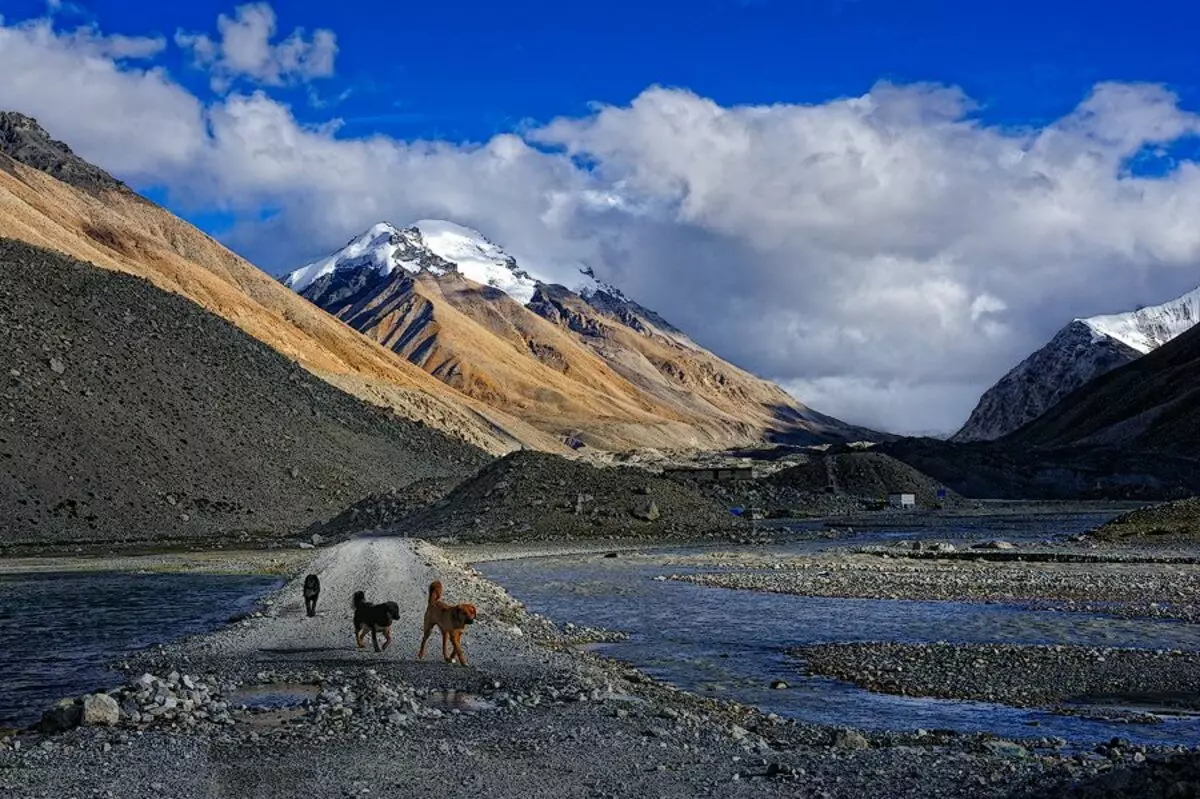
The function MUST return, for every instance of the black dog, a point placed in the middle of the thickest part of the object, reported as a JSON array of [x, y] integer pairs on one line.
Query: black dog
[[312, 590], [376, 618]]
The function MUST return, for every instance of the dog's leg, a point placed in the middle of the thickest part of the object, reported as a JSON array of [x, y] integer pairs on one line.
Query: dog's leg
[[358, 636], [458, 650], [387, 637], [424, 640], [375, 639], [446, 656]]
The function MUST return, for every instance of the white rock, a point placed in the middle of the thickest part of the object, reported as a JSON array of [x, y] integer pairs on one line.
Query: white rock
[[100, 710]]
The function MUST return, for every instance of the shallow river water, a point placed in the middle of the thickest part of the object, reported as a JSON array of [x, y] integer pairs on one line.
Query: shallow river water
[[732, 644], [58, 632]]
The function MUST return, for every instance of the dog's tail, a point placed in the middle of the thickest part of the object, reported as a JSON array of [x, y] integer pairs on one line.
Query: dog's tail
[[360, 598], [435, 591]]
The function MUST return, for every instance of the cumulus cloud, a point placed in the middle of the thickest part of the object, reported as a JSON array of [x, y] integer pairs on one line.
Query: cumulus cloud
[[244, 50], [886, 257], [132, 120]]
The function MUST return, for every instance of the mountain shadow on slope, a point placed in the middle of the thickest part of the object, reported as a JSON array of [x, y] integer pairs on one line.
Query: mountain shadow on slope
[[128, 413], [996, 470]]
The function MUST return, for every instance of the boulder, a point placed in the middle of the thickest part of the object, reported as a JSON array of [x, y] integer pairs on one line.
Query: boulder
[[850, 739], [66, 715], [647, 511], [100, 710]]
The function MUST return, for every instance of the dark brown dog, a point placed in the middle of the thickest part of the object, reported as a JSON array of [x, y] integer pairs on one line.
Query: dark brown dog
[[451, 620], [374, 619]]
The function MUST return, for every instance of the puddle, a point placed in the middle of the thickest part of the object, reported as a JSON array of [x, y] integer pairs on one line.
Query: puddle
[[284, 696], [461, 701]]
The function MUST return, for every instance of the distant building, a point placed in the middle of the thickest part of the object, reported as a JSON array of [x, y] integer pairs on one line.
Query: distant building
[[902, 500], [722, 474]]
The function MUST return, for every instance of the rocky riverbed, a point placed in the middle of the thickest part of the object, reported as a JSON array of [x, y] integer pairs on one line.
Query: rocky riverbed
[[1119, 585], [280, 704], [1024, 676]]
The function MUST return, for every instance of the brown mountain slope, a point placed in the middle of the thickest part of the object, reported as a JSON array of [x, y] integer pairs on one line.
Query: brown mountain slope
[[600, 369], [129, 413], [674, 371], [100, 221]]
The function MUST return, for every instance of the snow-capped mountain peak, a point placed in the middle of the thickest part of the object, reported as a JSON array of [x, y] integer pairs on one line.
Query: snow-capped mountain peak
[[477, 258], [430, 245], [588, 286], [1079, 353], [382, 248], [1148, 328]]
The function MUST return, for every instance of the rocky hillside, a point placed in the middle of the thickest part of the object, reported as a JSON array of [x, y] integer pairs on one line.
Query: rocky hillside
[[1076, 355], [53, 199], [583, 363], [867, 475], [1003, 470], [534, 496], [130, 413], [1080, 352], [1170, 522], [1150, 406]]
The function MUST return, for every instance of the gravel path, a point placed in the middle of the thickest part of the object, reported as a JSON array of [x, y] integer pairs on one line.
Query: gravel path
[[530, 717]]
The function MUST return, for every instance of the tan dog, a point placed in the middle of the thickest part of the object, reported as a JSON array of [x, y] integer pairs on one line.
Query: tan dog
[[450, 619]]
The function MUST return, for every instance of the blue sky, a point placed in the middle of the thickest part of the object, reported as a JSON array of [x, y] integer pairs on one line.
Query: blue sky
[[473, 68], [881, 205]]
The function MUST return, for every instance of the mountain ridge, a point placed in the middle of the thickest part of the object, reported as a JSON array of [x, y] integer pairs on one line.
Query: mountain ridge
[[1083, 350], [104, 223], [585, 362]]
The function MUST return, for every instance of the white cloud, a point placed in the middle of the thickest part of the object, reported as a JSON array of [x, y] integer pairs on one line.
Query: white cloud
[[133, 121], [886, 256], [245, 50]]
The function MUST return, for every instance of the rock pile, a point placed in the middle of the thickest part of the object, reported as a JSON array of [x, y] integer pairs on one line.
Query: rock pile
[[148, 700]]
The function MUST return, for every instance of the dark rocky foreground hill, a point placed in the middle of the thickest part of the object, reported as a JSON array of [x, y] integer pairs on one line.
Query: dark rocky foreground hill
[[534, 496], [127, 413]]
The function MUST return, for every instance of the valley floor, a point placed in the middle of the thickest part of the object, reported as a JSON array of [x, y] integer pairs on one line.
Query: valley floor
[[532, 715]]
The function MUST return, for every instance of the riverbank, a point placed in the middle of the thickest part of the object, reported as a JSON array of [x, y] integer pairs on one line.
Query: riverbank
[[537, 717]]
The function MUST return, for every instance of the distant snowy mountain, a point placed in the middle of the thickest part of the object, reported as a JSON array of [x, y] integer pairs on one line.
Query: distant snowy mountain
[[1079, 353], [583, 361], [431, 245]]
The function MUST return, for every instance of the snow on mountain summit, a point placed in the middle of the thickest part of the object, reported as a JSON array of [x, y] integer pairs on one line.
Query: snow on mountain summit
[[1079, 353], [381, 248], [589, 285], [430, 245], [477, 258], [1147, 329]]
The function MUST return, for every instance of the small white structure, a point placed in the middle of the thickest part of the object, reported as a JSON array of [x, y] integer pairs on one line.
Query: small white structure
[[902, 500]]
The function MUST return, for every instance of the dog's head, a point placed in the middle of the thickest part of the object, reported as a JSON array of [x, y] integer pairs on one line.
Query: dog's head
[[393, 609], [464, 614]]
